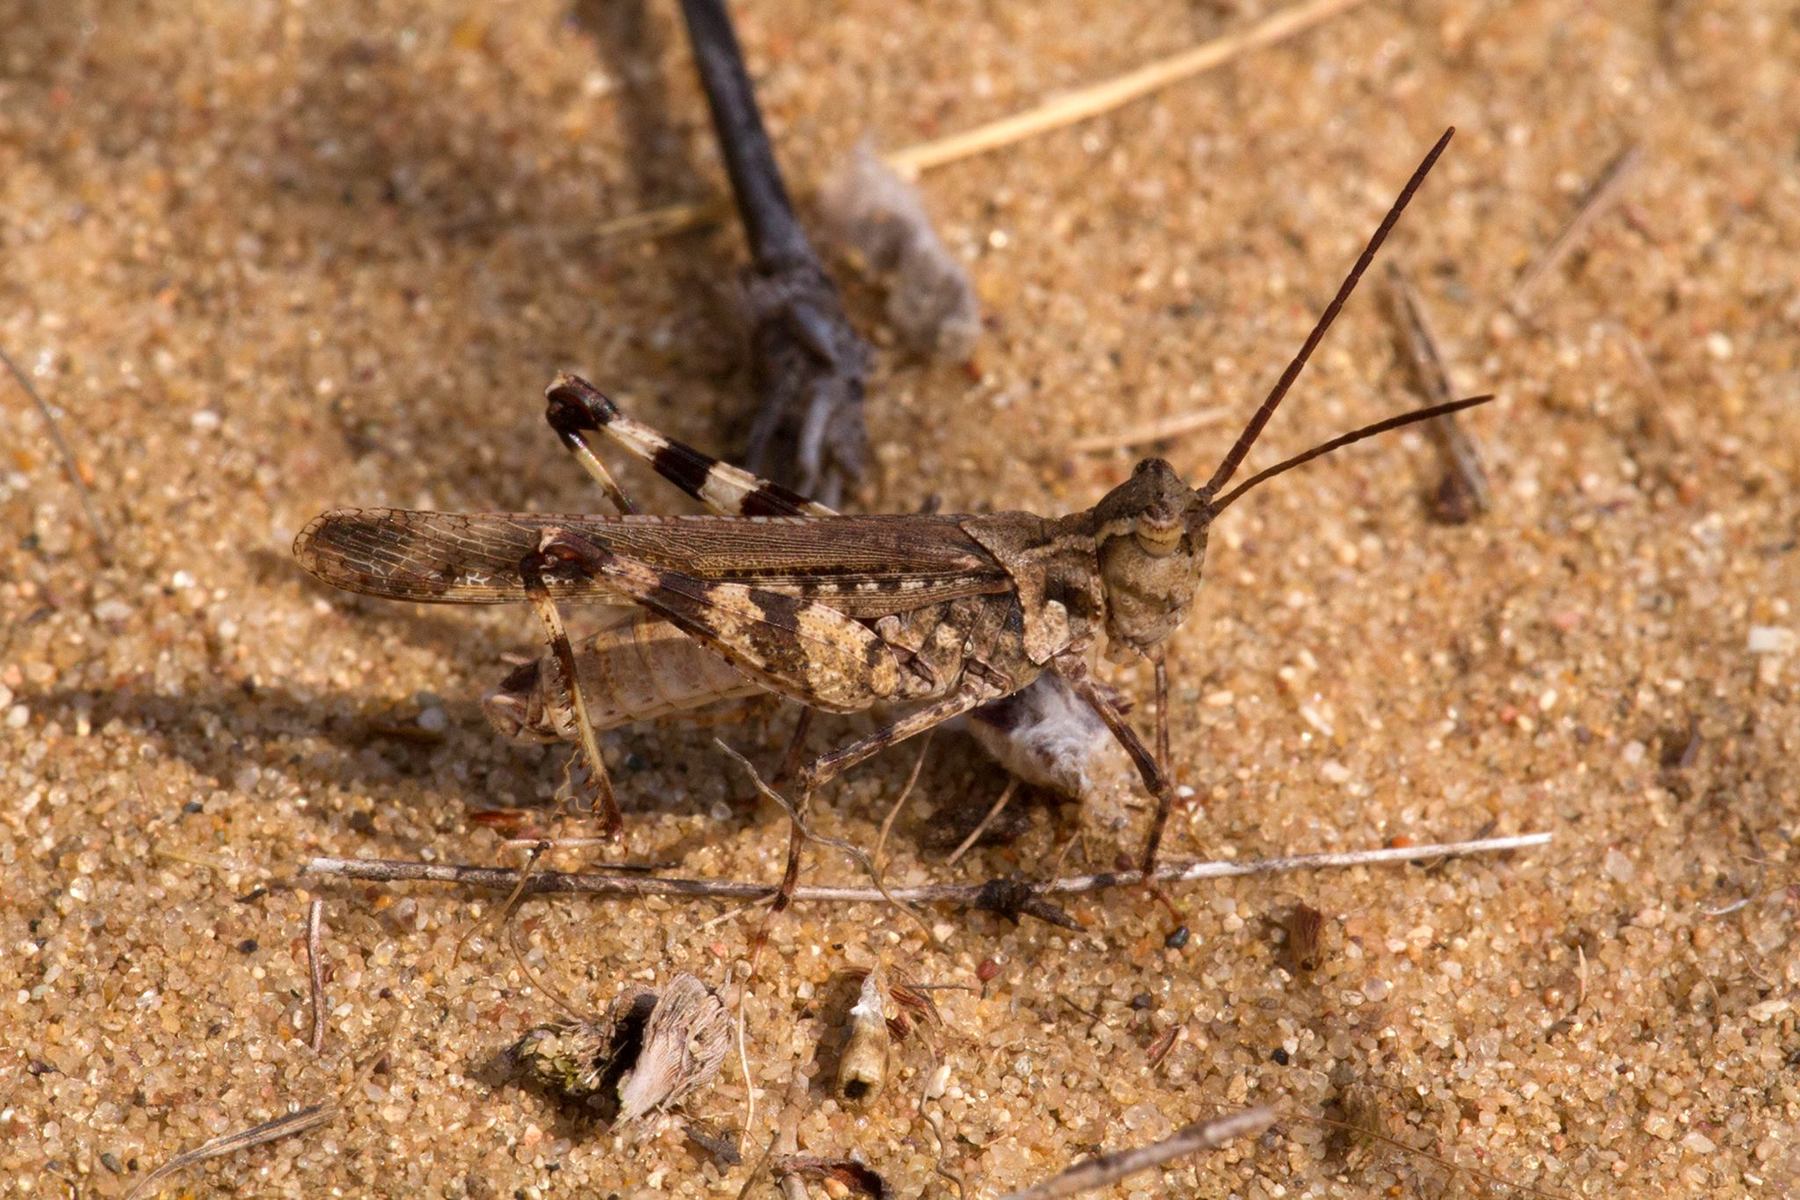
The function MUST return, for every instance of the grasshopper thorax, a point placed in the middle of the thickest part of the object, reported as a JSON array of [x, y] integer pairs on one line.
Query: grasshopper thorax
[[1149, 545]]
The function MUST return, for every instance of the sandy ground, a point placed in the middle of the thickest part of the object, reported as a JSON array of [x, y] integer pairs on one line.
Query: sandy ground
[[265, 258]]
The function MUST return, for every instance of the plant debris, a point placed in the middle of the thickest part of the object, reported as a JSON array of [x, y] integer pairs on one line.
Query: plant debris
[[644, 1055], [859, 1179], [881, 217]]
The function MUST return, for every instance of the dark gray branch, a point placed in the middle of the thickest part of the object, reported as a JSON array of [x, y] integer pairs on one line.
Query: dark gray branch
[[809, 363]]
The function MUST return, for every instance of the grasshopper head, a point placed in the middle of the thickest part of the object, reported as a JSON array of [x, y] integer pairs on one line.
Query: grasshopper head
[[1150, 542]]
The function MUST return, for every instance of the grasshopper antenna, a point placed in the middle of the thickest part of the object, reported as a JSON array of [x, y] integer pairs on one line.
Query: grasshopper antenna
[[1246, 439], [1342, 440]]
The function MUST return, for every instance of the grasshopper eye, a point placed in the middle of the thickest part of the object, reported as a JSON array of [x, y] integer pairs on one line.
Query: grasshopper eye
[[1158, 533]]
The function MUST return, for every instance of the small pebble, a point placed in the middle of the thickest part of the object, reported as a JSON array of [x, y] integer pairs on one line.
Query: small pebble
[[17, 716], [434, 720], [1178, 938], [1279, 1057], [1619, 866], [112, 610], [1772, 639]]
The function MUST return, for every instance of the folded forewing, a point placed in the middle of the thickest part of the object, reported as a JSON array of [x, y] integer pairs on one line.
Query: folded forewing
[[861, 565]]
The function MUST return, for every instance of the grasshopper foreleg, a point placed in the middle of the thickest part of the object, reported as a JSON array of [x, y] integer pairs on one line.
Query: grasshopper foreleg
[[1152, 768]]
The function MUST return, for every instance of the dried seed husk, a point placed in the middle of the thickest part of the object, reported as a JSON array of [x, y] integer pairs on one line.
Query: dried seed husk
[[1304, 926], [645, 1054], [685, 1041], [862, 1070]]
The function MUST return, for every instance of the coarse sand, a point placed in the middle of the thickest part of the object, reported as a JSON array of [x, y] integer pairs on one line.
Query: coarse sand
[[265, 258]]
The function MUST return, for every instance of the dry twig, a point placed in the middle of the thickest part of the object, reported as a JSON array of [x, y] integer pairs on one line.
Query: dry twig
[[1594, 202], [1156, 431], [299, 1121], [806, 833], [981, 827], [1404, 1147], [102, 543], [1108, 1169], [315, 963], [1464, 492], [965, 894], [887, 824]]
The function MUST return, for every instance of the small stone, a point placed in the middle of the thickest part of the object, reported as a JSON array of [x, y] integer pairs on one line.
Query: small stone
[[1619, 866], [112, 610], [206, 420], [17, 716], [434, 720], [1768, 1010], [1772, 639]]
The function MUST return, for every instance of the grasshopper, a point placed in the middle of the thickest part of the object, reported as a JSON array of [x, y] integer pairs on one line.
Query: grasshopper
[[937, 615]]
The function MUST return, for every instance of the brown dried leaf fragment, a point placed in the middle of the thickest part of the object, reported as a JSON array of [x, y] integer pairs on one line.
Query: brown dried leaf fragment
[[910, 1003]]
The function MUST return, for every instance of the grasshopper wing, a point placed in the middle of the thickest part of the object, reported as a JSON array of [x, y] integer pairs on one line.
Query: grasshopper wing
[[864, 566]]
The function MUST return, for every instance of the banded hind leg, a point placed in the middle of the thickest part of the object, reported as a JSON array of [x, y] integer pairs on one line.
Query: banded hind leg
[[562, 664], [576, 408]]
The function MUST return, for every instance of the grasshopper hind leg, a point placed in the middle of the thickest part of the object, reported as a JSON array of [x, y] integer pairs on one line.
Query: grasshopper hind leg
[[576, 408], [562, 655]]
